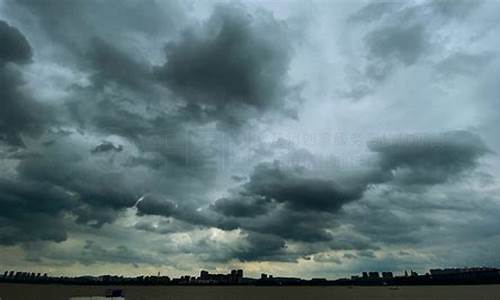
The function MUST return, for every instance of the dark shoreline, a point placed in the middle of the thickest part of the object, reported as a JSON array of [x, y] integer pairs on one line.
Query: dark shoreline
[[436, 277]]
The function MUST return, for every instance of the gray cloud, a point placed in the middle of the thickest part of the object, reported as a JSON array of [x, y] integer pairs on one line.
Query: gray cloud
[[374, 11], [100, 192], [15, 48], [399, 35], [276, 196], [455, 9], [429, 159], [298, 191], [20, 114], [243, 206], [156, 205], [402, 43], [261, 246], [232, 68], [31, 211], [74, 25], [93, 252], [111, 64], [107, 147], [192, 108], [464, 63]]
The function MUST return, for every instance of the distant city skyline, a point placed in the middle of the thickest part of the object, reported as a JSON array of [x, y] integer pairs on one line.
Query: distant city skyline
[[301, 138], [448, 276]]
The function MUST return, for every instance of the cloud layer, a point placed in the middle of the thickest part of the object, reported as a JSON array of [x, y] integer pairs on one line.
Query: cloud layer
[[310, 140]]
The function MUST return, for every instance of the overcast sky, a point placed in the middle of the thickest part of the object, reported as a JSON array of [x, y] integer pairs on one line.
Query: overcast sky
[[297, 138]]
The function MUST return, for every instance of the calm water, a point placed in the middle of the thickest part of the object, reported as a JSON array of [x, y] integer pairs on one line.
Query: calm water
[[54, 292]]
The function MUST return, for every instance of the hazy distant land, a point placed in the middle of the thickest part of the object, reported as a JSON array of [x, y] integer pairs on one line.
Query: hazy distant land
[[9, 291]]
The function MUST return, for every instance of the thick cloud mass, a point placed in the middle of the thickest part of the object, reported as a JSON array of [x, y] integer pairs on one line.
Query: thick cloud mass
[[297, 191], [155, 205], [276, 197], [31, 211], [111, 64], [432, 159], [314, 139], [107, 147], [20, 113], [243, 206], [14, 46], [233, 65]]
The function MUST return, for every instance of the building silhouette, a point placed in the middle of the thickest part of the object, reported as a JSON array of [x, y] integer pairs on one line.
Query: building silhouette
[[450, 276]]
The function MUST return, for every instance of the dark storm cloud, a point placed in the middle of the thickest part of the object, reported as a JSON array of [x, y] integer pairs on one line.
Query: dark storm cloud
[[243, 206], [416, 202], [294, 225], [112, 64], [101, 193], [78, 186], [121, 100], [270, 201], [236, 72], [13, 45], [107, 147], [292, 204], [31, 226], [430, 159], [111, 41], [166, 147], [87, 182], [156, 205], [32, 211], [119, 84], [20, 114], [298, 191], [276, 196], [232, 68], [263, 247], [287, 202], [104, 40]]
